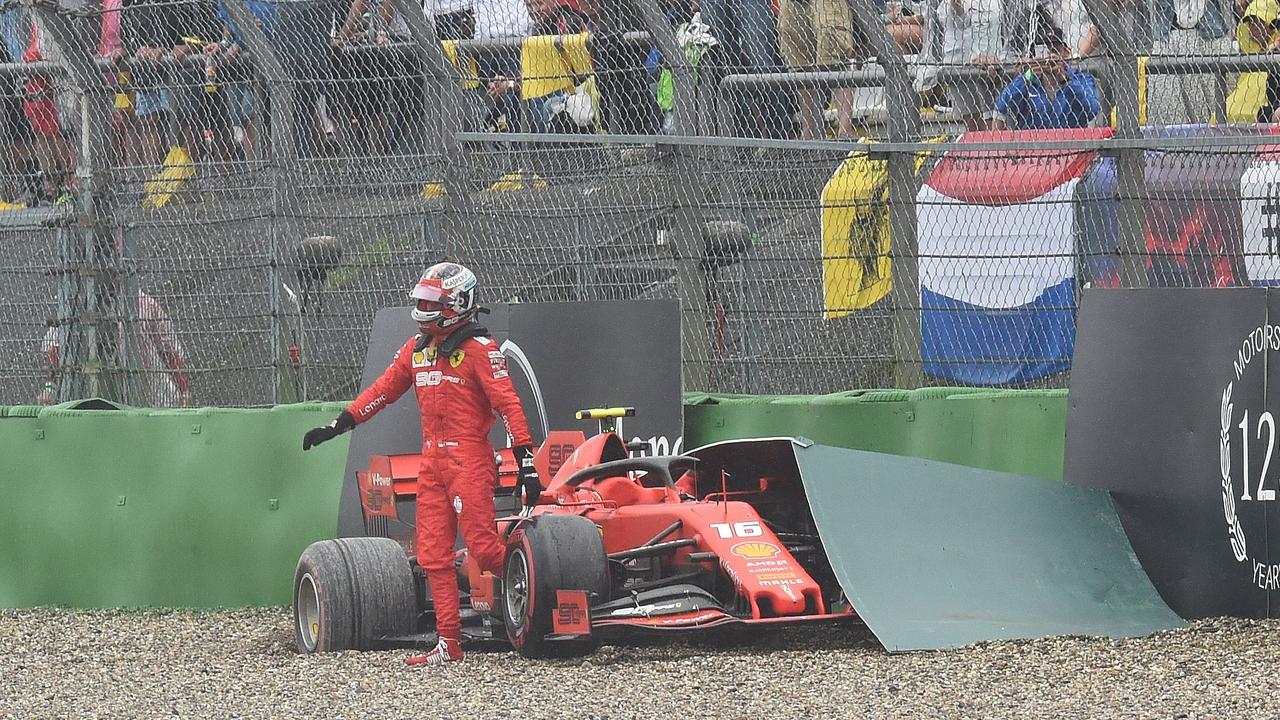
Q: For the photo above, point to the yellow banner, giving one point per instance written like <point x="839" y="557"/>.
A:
<point x="548" y="63"/>
<point x="856" y="265"/>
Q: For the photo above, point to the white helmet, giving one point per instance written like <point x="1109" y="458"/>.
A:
<point x="446" y="298"/>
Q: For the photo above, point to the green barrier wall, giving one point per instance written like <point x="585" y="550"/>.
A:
<point x="131" y="508"/>
<point x="1017" y="431"/>
<point x="211" y="508"/>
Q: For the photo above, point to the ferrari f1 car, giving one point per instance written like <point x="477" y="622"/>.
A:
<point x="722" y="534"/>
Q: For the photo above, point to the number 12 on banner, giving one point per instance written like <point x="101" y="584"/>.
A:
<point x="1264" y="419"/>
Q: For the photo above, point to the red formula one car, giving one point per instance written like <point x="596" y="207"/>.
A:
<point x="722" y="534"/>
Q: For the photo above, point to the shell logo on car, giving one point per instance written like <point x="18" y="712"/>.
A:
<point x="755" y="550"/>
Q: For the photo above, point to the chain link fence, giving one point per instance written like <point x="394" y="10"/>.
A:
<point x="206" y="201"/>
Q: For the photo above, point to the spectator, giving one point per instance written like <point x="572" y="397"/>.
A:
<point x="19" y="138"/>
<point x="972" y="35"/>
<point x="498" y="70"/>
<point x="627" y="99"/>
<point x="303" y="40"/>
<point x="46" y="109"/>
<point x="1257" y="33"/>
<point x="553" y="17"/>
<point x="240" y="89"/>
<point x="819" y="33"/>
<point x="696" y="42"/>
<point x="905" y="25"/>
<point x="502" y="19"/>
<point x="1049" y="94"/>
<point x="155" y="34"/>
<point x="15" y="25"/>
<point x="747" y="36"/>
<point x="983" y="33"/>
<point x="555" y="68"/>
<point x="1182" y="28"/>
<point x="126" y="136"/>
<point x="453" y="19"/>
<point x="365" y="97"/>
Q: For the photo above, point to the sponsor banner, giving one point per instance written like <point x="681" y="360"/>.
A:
<point x="1260" y="219"/>
<point x="1177" y="420"/>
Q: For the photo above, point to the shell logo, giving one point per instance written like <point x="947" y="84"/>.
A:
<point x="755" y="550"/>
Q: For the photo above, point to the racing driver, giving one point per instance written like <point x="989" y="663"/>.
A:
<point x="461" y="379"/>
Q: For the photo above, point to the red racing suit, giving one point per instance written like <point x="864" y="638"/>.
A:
<point x="458" y="396"/>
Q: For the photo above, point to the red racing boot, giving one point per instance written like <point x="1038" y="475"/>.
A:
<point x="447" y="650"/>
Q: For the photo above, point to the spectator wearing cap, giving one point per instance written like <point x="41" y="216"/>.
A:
<point x="1048" y="94"/>
<point x="453" y="19"/>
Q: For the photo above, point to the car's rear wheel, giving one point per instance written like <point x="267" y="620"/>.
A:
<point x="350" y="593"/>
<point x="551" y="553"/>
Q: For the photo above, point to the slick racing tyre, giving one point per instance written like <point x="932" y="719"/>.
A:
<point x="553" y="552"/>
<point x="351" y="592"/>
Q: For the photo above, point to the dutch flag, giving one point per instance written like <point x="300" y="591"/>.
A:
<point x="996" y="235"/>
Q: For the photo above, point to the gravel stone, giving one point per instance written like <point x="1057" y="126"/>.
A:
<point x="241" y="664"/>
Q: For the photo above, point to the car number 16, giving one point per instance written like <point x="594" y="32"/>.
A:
<point x="748" y="528"/>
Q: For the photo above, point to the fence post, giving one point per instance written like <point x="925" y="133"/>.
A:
<point x="686" y="193"/>
<point x="94" y="273"/>
<point x="1120" y="36"/>
<point x="444" y="102"/>
<point x="284" y="173"/>
<point x="903" y="105"/>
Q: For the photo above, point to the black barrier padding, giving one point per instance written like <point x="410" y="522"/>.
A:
<point x="1145" y="422"/>
<point x="582" y="354"/>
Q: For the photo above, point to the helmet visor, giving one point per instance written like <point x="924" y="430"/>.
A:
<point x="431" y="291"/>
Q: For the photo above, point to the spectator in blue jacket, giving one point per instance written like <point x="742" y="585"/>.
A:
<point x="1049" y="94"/>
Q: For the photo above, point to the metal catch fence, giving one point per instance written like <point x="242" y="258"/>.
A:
<point x="206" y="201"/>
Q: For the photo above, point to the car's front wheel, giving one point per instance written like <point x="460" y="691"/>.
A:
<point x="550" y="553"/>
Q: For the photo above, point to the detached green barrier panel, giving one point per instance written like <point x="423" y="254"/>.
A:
<point x="131" y="508"/>
<point x="934" y="555"/>
<point x="1018" y="431"/>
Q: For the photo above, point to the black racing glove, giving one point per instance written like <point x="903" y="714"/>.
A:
<point x="315" y="436"/>
<point x="526" y="475"/>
